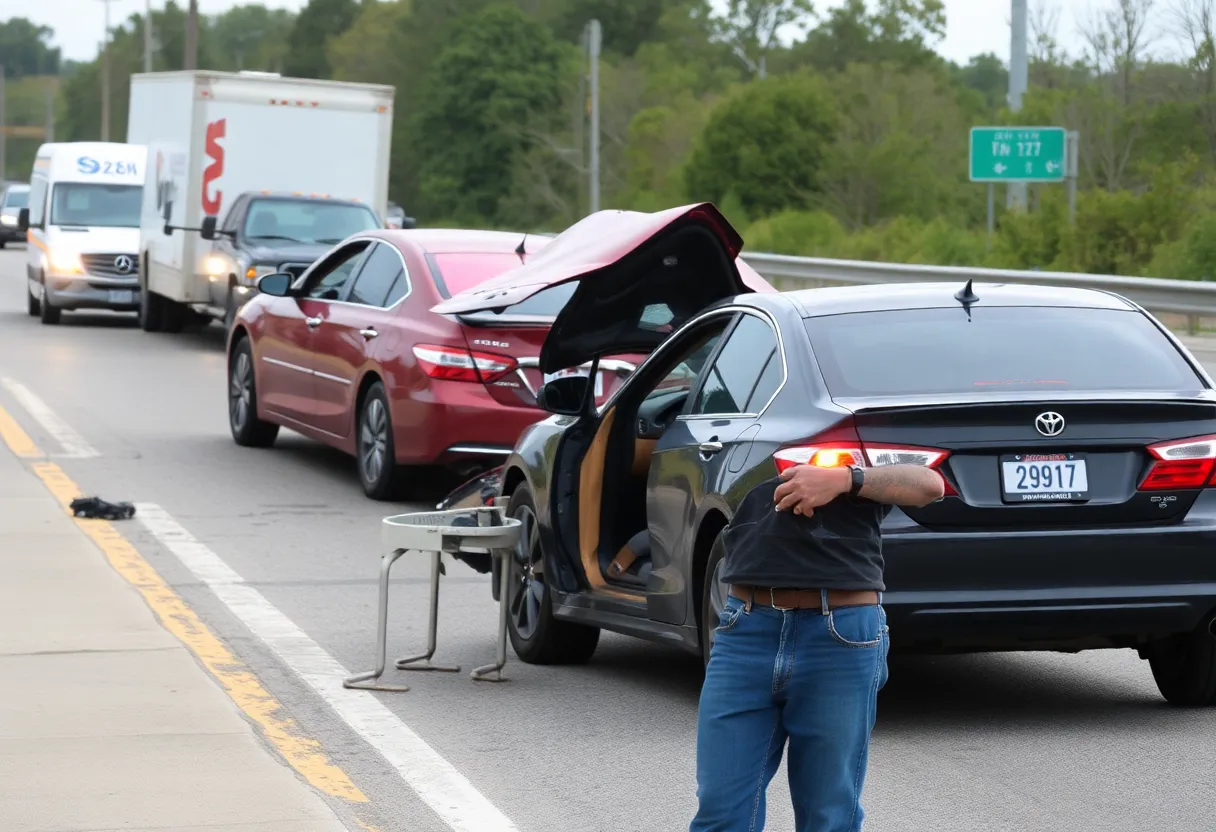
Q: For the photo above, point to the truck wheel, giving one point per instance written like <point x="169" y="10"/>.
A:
<point x="1184" y="666"/>
<point x="49" y="314"/>
<point x="175" y="315"/>
<point x="151" y="311"/>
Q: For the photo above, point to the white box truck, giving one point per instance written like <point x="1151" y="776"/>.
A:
<point x="248" y="173"/>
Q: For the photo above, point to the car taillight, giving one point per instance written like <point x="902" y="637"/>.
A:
<point x="839" y="448"/>
<point x="1181" y="463"/>
<point x="455" y="364"/>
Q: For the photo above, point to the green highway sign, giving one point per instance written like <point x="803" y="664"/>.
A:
<point x="1019" y="154"/>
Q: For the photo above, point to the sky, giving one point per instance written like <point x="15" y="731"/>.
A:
<point x="973" y="26"/>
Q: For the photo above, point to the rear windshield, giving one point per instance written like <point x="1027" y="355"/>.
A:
<point x="457" y="272"/>
<point x="16" y="197"/>
<point x="1014" y="349"/>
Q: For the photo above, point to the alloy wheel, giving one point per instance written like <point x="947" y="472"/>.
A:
<point x="373" y="440"/>
<point x="527" y="576"/>
<point x="240" y="391"/>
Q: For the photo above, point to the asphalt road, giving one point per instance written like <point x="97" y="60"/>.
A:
<point x="989" y="742"/>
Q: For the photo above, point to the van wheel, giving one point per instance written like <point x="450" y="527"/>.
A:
<point x="713" y="597"/>
<point x="49" y="314"/>
<point x="33" y="305"/>
<point x="536" y="635"/>
<point x="1184" y="666"/>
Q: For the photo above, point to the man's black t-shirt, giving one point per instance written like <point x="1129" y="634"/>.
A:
<point x="837" y="547"/>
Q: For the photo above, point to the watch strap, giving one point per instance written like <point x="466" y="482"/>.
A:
<point x="859" y="478"/>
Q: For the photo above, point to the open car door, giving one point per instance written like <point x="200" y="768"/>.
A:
<point x="640" y="277"/>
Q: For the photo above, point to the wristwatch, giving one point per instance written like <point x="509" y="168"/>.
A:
<point x="859" y="479"/>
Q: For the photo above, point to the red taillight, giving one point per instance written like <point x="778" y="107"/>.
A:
<point x="841" y="447"/>
<point x="456" y="364"/>
<point x="1181" y="463"/>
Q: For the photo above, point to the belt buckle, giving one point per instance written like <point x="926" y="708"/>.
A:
<point x="773" y="602"/>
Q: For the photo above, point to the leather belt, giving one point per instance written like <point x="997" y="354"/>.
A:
<point x="803" y="599"/>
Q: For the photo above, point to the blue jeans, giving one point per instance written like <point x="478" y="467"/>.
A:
<point x="801" y="676"/>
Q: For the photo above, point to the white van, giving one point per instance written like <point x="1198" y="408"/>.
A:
<point x="83" y="227"/>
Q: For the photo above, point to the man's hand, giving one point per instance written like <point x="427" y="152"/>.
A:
<point x="805" y="487"/>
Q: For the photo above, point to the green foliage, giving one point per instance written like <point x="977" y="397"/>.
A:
<point x="806" y="233"/>
<point x="25" y="48"/>
<point x="493" y="84"/>
<point x="316" y="24"/>
<point x="766" y="144"/>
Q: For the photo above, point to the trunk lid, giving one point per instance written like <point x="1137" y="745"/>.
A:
<point x="1007" y="472"/>
<point x="630" y="279"/>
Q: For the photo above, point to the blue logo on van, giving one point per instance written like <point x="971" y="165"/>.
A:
<point x="90" y="166"/>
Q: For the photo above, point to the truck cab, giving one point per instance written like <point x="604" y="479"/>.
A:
<point x="82" y="224"/>
<point x="264" y="232"/>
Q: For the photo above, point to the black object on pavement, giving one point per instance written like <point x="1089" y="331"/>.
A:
<point x="96" y="508"/>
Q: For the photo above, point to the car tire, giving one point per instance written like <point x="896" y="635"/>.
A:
<point x="375" y="452"/>
<point x="713" y="597"/>
<point x="46" y="313"/>
<point x="247" y="429"/>
<point x="1184" y="667"/>
<point x="536" y="635"/>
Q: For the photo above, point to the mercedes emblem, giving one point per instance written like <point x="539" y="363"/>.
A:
<point x="123" y="264"/>
<point x="1049" y="423"/>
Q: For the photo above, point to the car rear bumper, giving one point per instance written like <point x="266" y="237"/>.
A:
<point x="459" y="421"/>
<point x="87" y="293"/>
<point x="1021" y="590"/>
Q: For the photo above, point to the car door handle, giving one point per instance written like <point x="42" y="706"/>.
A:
<point x="368" y="333"/>
<point x="313" y="323"/>
<point x="708" y="449"/>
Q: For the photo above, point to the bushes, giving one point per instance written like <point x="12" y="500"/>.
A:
<point x="902" y="240"/>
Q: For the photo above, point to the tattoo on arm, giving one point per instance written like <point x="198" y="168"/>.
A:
<point x="902" y="485"/>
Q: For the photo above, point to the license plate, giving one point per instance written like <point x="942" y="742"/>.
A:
<point x="1044" y="478"/>
<point x="121" y="297"/>
<point x="599" y="378"/>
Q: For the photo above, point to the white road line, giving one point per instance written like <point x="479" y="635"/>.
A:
<point x="433" y="779"/>
<point x="74" y="445"/>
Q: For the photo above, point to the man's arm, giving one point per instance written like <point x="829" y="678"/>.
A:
<point x="807" y="487"/>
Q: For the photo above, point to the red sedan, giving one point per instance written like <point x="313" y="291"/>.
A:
<point x="351" y="355"/>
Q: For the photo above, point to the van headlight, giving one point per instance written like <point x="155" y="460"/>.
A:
<point x="65" y="262"/>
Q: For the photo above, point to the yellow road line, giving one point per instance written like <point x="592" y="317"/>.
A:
<point x="303" y="753"/>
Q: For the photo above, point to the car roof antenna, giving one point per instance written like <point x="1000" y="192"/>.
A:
<point x="521" y="249"/>
<point x="966" y="296"/>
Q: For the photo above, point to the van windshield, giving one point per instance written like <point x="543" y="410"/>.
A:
<point x="16" y="197"/>
<point x="91" y="204"/>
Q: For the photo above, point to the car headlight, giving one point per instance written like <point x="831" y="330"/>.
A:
<point x="254" y="273"/>
<point x="65" y="262"/>
<point x="216" y="265"/>
<point x="8" y="219"/>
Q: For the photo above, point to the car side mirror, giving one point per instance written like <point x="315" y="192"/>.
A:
<point x="564" y="396"/>
<point x="23" y="219"/>
<point x="207" y="232"/>
<point x="276" y="285"/>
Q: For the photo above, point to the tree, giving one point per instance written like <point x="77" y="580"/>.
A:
<point x="25" y="48"/>
<point x="251" y="37"/>
<point x="899" y="32"/>
<point x="627" y="24"/>
<point x="765" y="146"/>
<point x="751" y="27"/>
<point x="317" y="22"/>
<point x="497" y="78"/>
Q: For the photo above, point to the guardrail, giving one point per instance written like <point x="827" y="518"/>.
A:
<point x="1183" y="297"/>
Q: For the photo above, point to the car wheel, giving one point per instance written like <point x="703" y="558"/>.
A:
<point x="247" y="429"/>
<point x="374" y="449"/>
<point x="48" y="314"/>
<point x="537" y="636"/>
<point x="713" y="597"/>
<point x="1184" y="667"/>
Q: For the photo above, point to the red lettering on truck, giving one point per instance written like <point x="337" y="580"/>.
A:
<point x="214" y="170"/>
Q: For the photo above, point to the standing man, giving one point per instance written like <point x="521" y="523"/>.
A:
<point x="800" y="652"/>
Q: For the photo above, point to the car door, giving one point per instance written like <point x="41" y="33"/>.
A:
<point x="346" y="340"/>
<point x="695" y="457"/>
<point x="286" y="364"/>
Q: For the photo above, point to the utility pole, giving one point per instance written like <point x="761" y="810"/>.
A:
<point x="50" y="111"/>
<point x="3" y="132"/>
<point x="105" y="77"/>
<point x="594" y="39"/>
<point x="1016" y="198"/>
<point x="147" y="35"/>
<point x="192" y="36"/>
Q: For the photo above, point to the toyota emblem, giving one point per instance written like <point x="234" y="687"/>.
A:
<point x="1049" y="423"/>
<point x="123" y="264"/>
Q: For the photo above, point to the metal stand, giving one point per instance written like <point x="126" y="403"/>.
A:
<point x="481" y="529"/>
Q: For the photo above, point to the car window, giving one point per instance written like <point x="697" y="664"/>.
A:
<point x="914" y="352"/>
<point x="282" y="221"/>
<point x="38" y="192"/>
<point x="740" y="376"/>
<point x="16" y="197"/>
<point x="234" y="213"/>
<point x="399" y="288"/>
<point x="381" y="270"/>
<point x="684" y="375"/>
<point x="330" y="279"/>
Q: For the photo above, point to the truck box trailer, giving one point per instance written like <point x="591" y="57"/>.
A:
<point x="215" y="136"/>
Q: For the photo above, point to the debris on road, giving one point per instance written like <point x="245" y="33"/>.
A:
<point x="96" y="508"/>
